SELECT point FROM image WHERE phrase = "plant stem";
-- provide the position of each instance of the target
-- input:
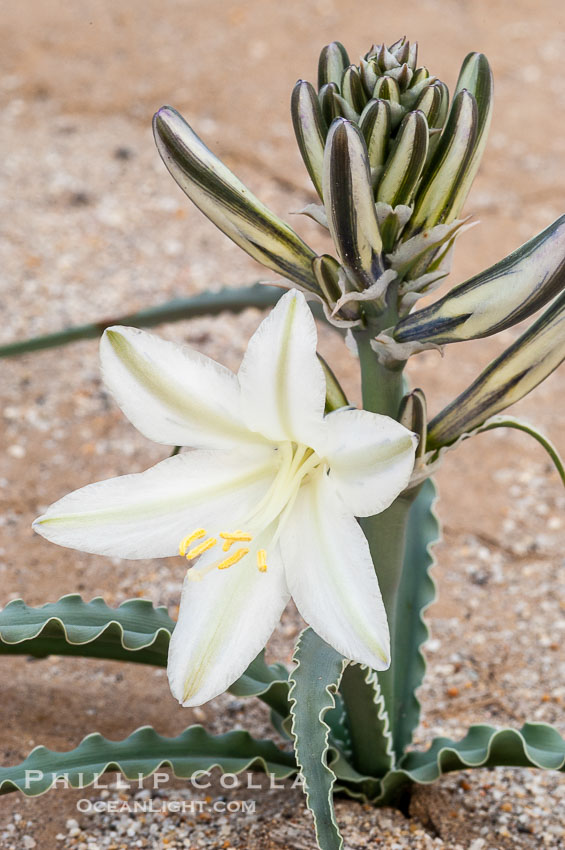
(382, 388)
(382, 391)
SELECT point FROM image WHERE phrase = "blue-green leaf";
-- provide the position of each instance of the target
(415, 593)
(134, 632)
(229, 299)
(371, 740)
(534, 745)
(314, 683)
(141, 754)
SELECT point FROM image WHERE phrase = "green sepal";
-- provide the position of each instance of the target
(352, 88)
(335, 397)
(375, 124)
(497, 298)
(414, 416)
(476, 77)
(329, 103)
(314, 683)
(141, 754)
(348, 197)
(332, 63)
(224, 199)
(310, 129)
(445, 171)
(405, 162)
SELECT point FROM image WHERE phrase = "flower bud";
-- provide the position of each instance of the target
(332, 63)
(511, 376)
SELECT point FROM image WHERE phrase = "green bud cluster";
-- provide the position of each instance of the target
(378, 95)
(417, 155)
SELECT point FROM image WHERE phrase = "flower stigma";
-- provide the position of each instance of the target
(296, 463)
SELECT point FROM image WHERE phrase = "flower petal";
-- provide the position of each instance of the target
(371, 458)
(224, 621)
(146, 515)
(282, 383)
(171, 393)
(331, 577)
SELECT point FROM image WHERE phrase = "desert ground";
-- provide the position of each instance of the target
(93, 226)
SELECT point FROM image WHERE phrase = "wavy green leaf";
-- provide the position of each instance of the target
(141, 754)
(135, 632)
(415, 593)
(371, 740)
(314, 683)
(534, 745)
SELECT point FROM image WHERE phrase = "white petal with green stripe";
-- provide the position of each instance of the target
(283, 389)
(507, 379)
(349, 202)
(228, 203)
(497, 298)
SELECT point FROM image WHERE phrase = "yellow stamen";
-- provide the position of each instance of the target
(233, 559)
(262, 561)
(186, 541)
(232, 537)
(202, 547)
(235, 535)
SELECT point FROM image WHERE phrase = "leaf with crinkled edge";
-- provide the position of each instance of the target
(229, 204)
(371, 740)
(416, 593)
(314, 682)
(534, 745)
(497, 298)
(134, 632)
(141, 754)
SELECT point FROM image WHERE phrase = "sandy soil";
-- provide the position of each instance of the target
(92, 226)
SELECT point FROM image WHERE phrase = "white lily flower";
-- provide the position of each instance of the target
(263, 507)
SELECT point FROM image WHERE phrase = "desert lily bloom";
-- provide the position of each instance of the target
(263, 507)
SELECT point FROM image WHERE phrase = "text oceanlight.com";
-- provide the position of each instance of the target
(152, 806)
